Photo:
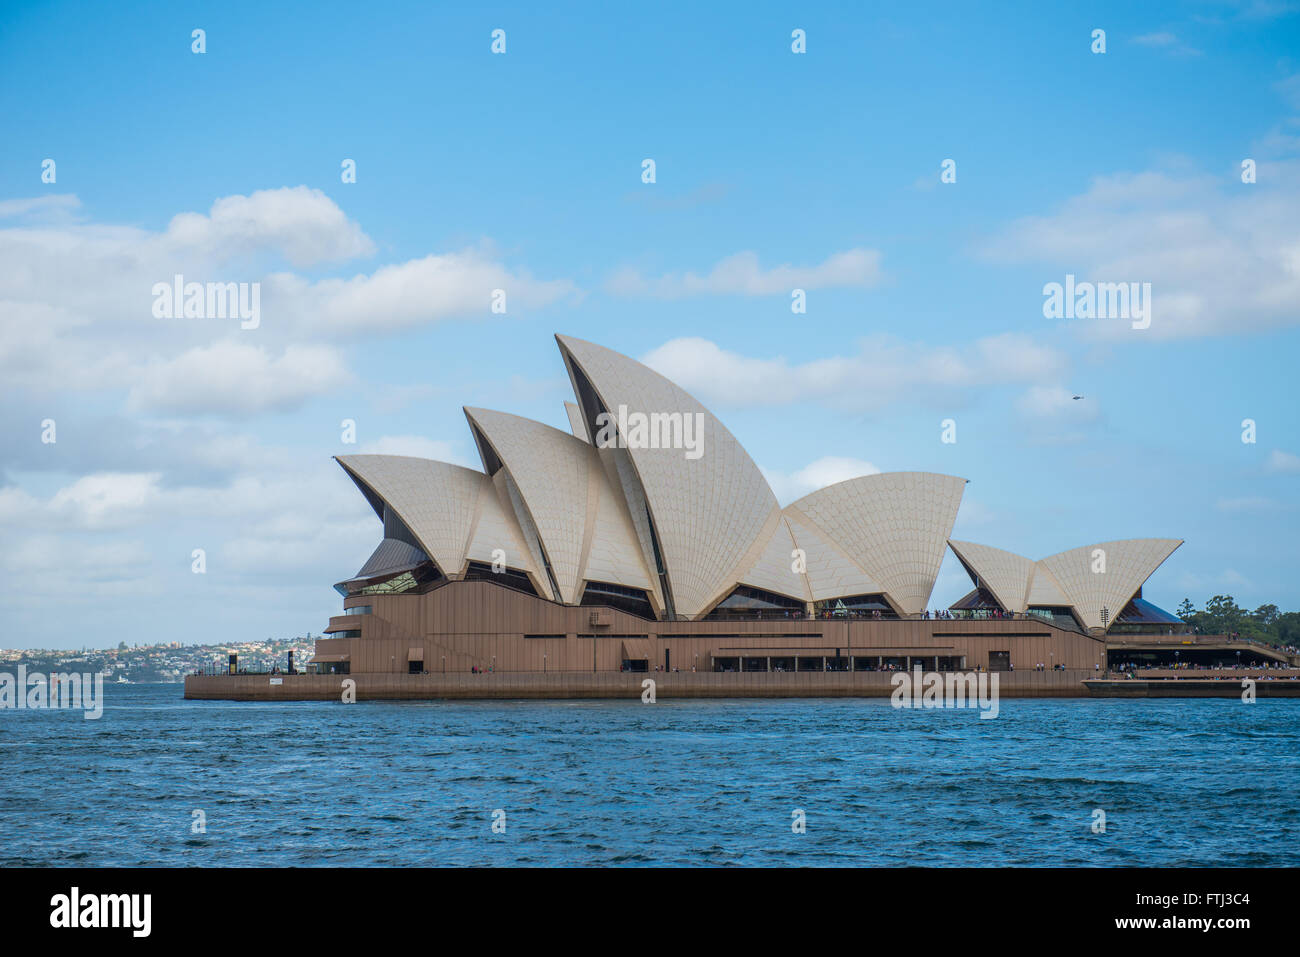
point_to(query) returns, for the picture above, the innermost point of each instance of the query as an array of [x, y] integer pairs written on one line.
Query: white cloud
[[884, 371], [97, 501], [741, 275], [106, 498], [815, 475], [60, 569], [410, 293], [16, 505], [1222, 257], [271, 519], [248, 526], [1281, 461], [54, 205], [303, 224], [236, 378], [76, 301], [311, 548]]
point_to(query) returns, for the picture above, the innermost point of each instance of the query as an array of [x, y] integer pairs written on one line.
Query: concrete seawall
[[1192, 688], [1032, 684]]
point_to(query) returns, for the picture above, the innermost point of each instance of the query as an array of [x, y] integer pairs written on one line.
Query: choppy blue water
[[1199, 782]]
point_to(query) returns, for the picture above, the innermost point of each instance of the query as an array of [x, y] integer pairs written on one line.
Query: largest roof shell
[[707, 512]]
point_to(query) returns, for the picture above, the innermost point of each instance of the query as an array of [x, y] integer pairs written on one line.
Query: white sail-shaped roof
[[831, 572], [496, 533], [436, 500], [1044, 590], [894, 525], [455, 513], [577, 424], [579, 517], [1003, 573], [775, 568], [1093, 585], [707, 511], [1087, 579], [568, 510], [613, 553]]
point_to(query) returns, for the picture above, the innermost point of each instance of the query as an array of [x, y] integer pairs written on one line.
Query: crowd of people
[[1134, 666]]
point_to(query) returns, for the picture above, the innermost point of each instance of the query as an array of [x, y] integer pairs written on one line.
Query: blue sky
[[523, 171]]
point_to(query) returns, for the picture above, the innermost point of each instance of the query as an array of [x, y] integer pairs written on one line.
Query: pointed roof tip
[[485, 421], [570, 343], [571, 346], [479, 411], [966, 541]]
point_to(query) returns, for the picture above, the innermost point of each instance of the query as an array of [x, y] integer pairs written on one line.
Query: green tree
[[1287, 628], [1186, 610], [1266, 615], [1222, 616]]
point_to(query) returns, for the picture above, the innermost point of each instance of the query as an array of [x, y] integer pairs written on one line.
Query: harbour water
[[704, 782]]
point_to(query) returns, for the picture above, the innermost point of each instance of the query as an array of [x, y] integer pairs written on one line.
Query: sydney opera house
[[646, 539]]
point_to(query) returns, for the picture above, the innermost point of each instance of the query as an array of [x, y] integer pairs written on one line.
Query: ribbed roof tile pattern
[[576, 423], [1004, 573], [619, 470], [707, 511], [436, 500], [830, 572], [894, 525], [551, 475], [1044, 589], [508, 492], [613, 555], [578, 515], [774, 569], [1128, 564], [1071, 578], [496, 528]]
